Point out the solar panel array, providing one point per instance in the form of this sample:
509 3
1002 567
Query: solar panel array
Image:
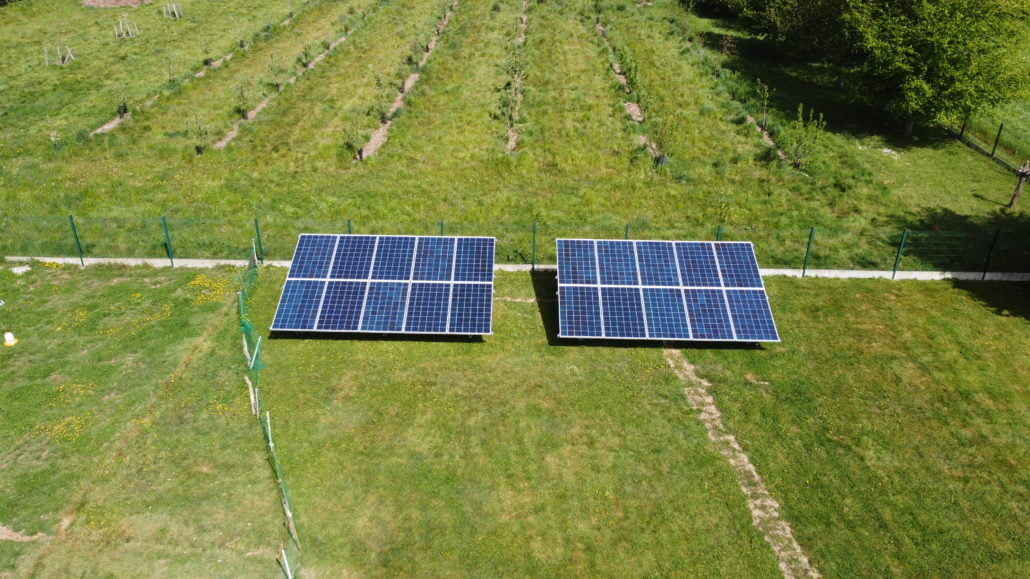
389 284
662 290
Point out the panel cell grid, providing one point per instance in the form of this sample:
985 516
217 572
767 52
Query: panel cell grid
389 284
662 290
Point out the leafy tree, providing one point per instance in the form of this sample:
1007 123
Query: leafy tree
925 60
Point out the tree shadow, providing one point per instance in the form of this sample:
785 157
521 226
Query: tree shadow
988 246
545 286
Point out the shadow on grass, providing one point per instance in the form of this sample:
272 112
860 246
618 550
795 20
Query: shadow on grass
545 286
997 243
373 337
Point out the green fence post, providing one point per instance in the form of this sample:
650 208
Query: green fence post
168 241
257 238
532 259
808 251
718 233
990 253
627 231
348 227
75 236
997 139
901 248
441 228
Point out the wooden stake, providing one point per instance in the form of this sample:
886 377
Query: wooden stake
1023 173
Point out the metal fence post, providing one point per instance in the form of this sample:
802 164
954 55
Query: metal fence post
718 233
75 236
168 241
348 227
532 259
808 251
627 231
990 253
257 238
441 228
901 248
997 139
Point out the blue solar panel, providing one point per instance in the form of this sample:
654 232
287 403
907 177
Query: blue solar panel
738 264
751 315
579 311
623 312
697 265
709 317
404 284
474 259
427 308
299 303
353 259
312 256
617 262
657 264
470 308
666 317
384 307
661 290
434 259
341 307
577 261
393 258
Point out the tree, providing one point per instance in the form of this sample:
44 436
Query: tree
927 60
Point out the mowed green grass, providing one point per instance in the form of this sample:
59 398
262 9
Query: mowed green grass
126 436
890 423
502 457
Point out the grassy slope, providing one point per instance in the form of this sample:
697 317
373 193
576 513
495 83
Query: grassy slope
577 161
503 457
36 99
891 423
123 413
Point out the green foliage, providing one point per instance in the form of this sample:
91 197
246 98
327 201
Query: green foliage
799 139
926 61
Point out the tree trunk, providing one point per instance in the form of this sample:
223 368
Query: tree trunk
1024 173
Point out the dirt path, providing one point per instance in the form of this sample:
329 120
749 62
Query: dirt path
633 110
7 534
516 82
765 510
379 136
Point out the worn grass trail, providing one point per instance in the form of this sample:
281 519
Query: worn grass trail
891 422
126 434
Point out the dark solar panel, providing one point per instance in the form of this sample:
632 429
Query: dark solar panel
662 290
389 284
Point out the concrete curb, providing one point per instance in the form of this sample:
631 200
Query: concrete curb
766 272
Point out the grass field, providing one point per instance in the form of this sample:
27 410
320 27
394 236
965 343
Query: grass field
126 432
578 164
889 423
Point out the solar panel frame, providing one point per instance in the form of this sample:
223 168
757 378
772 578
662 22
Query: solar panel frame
706 274
404 270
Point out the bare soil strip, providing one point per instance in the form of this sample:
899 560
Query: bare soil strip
253 113
765 510
633 110
378 138
12 535
516 83
117 120
767 138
